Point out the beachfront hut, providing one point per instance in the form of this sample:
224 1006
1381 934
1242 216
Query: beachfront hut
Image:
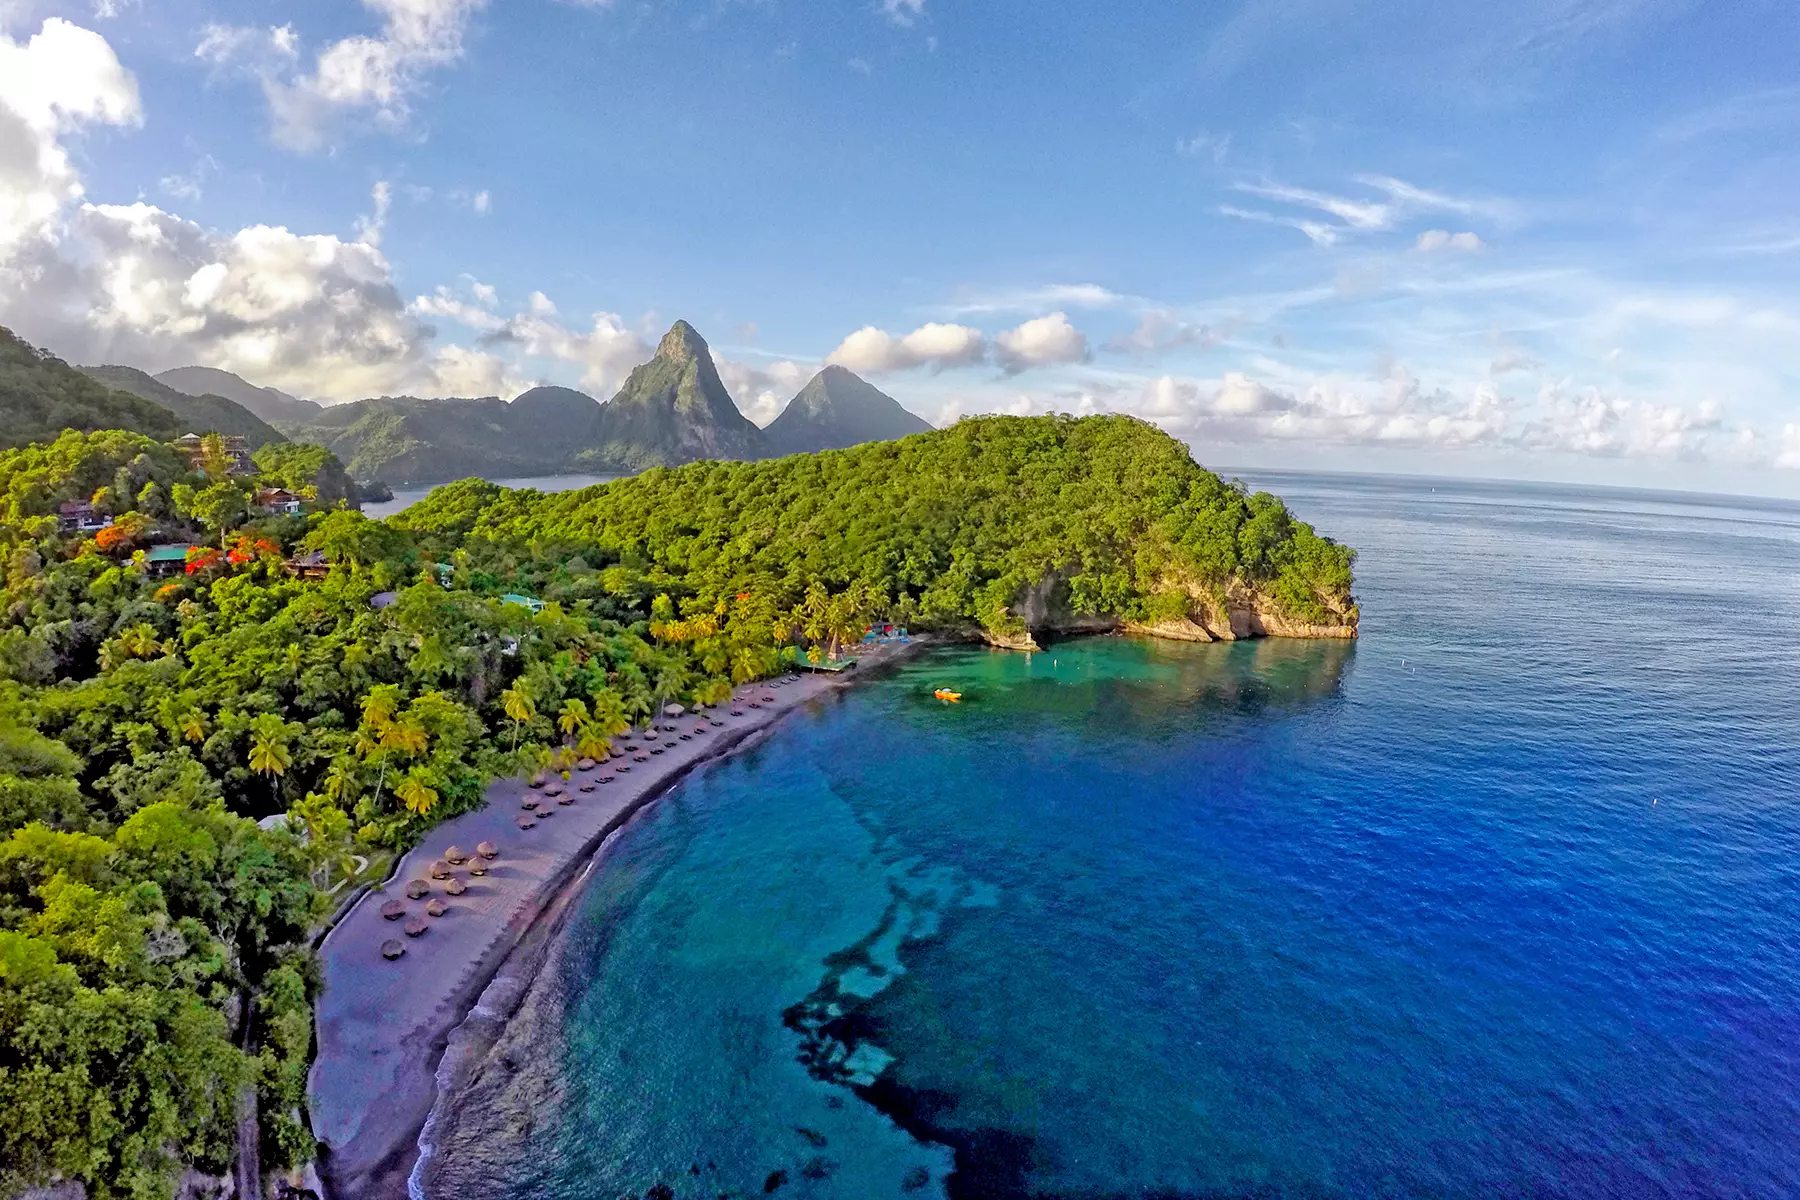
487 850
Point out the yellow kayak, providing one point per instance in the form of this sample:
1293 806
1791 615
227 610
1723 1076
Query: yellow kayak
947 694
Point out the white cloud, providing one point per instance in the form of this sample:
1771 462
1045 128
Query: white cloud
542 305
860 66
1512 359
903 12
376 76
606 351
938 345
1160 330
762 392
482 203
1041 342
1319 232
447 304
370 228
64 79
1357 214
1435 240
1037 298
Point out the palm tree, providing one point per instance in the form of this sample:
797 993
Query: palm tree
608 712
670 679
269 751
574 716
416 792
517 703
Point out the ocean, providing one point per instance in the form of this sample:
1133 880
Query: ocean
1502 900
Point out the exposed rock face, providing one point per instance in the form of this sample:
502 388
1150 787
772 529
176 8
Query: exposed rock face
1246 613
837 408
673 409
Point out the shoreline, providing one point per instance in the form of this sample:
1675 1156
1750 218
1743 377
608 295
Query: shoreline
388 1058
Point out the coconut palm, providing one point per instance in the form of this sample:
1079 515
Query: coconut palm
573 716
519 708
416 790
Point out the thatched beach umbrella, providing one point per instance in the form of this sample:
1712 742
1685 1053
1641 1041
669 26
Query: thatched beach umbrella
525 821
417 889
393 910
478 867
538 779
440 869
456 887
586 764
565 801
555 789
437 907
487 850
392 948
674 710
415 927
587 787
456 856
528 802
544 814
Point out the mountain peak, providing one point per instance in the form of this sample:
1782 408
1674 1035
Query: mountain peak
681 343
839 408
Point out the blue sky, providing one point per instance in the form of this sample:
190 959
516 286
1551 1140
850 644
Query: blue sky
1549 239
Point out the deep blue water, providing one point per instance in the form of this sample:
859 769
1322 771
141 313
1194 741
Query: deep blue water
1503 900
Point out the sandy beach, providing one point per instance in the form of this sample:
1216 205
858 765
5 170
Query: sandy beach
383 1026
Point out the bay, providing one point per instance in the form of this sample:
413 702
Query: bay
1500 900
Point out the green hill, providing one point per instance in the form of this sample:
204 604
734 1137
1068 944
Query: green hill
403 439
838 408
41 395
268 404
1010 526
673 409
198 414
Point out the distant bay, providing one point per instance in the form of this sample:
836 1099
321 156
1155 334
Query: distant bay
403 497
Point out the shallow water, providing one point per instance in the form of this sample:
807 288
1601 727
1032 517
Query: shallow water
1501 900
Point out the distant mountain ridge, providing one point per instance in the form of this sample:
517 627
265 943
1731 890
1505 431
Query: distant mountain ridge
836 409
405 439
198 414
267 404
41 395
673 409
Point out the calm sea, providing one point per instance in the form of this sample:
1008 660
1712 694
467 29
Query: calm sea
407 496
1503 900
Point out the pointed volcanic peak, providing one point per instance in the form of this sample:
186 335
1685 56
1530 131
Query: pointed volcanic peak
837 409
673 409
275 407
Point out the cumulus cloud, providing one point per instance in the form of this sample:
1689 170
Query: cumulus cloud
1041 342
937 345
362 76
762 392
1160 330
1512 359
1435 240
62 80
606 350
903 12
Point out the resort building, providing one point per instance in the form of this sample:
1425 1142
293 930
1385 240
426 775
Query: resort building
308 566
78 516
532 602
279 501
192 447
168 560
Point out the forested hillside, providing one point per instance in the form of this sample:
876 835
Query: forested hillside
197 414
988 524
40 395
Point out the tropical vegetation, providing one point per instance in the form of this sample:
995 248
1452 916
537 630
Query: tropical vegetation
192 760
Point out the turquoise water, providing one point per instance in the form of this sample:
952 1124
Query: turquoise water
1502 901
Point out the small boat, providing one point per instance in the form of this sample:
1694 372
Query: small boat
947 695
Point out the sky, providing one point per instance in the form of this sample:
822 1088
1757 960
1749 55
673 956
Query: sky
1548 239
